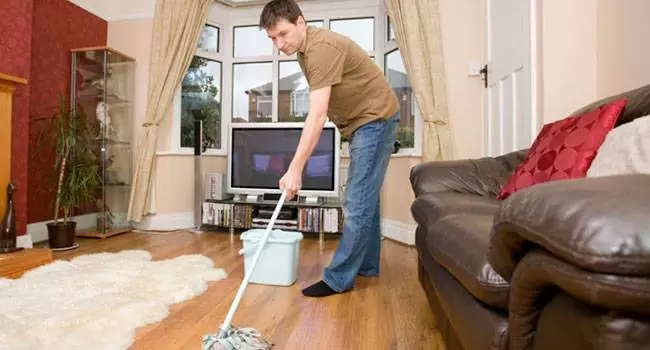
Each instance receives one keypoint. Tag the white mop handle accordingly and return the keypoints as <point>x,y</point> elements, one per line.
<point>258,252</point>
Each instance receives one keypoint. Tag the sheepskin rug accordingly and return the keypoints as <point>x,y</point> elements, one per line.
<point>97,301</point>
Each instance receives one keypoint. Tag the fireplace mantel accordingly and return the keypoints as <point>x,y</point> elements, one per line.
<point>10,80</point>
<point>8,84</point>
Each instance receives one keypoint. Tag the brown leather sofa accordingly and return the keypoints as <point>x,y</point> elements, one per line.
<point>559,265</point>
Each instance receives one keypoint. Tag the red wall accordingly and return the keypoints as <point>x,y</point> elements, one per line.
<point>59,26</point>
<point>15,58</point>
<point>36,39</point>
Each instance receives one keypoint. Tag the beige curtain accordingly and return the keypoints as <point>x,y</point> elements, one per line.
<point>176,29</point>
<point>417,32</point>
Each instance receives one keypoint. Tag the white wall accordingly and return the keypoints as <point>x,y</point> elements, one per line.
<point>623,52</point>
<point>568,56</point>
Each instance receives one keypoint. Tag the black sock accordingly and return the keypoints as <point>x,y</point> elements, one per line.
<point>320,289</point>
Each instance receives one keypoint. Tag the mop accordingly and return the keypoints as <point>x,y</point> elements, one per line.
<point>233,338</point>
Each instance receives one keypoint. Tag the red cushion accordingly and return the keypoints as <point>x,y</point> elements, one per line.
<point>564,149</point>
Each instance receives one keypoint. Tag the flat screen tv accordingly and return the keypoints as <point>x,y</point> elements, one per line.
<point>259,154</point>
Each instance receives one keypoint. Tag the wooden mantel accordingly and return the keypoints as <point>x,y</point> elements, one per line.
<point>8,84</point>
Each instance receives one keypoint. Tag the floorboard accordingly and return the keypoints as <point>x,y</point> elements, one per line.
<point>388,312</point>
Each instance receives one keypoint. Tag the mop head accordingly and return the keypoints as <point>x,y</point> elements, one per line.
<point>237,339</point>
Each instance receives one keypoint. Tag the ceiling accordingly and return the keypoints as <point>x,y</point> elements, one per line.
<point>241,3</point>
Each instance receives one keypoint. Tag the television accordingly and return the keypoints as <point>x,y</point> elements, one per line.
<point>259,154</point>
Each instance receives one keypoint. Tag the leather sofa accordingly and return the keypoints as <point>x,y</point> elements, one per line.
<point>559,265</point>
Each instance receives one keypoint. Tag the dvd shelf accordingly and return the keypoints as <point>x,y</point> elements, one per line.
<point>307,218</point>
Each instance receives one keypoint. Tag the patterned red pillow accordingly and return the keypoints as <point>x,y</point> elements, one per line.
<point>564,149</point>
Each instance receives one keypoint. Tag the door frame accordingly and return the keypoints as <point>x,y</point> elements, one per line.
<point>536,50</point>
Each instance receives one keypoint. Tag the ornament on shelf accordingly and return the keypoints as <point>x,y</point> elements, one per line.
<point>104,119</point>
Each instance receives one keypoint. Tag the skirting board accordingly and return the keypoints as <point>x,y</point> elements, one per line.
<point>37,232</point>
<point>398,231</point>
<point>395,230</point>
<point>167,222</point>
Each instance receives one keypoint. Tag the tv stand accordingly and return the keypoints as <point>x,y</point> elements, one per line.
<point>315,215</point>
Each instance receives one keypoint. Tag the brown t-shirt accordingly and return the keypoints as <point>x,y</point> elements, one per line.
<point>360,92</point>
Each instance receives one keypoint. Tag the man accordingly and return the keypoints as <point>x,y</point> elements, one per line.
<point>350,89</point>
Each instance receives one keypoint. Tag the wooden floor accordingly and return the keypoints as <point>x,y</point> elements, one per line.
<point>389,312</point>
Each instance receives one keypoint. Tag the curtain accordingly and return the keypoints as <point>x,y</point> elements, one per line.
<point>176,30</point>
<point>418,36</point>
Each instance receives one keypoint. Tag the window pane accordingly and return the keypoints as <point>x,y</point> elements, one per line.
<point>209,39</point>
<point>391,31</point>
<point>361,30</point>
<point>251,41</point>
<point>398,79</point>
<point>201,100</point>
<point>252,92</point>
<point>293,101</point>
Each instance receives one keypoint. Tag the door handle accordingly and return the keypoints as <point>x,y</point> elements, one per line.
<point>484,74</point>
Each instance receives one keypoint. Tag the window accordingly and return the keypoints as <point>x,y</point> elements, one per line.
<point>201,100</point>
<point>200,96</point>
<point>293,93</point>
<point>249,41</point>
<point>251,83</point>
<point>360,30</point>
<point>390,30</point>
<point>263,85</point>
<point>399,80</point>
<point>395,72</point>
<point>209,39</point>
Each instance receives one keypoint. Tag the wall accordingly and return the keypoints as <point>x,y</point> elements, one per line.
<point>568,56</point>
<point>462,25</point>
<point>15,56</point>
<point>623,54</point>
<point>59,26</point>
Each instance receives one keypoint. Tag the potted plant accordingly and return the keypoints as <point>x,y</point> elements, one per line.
<point>78,173</point>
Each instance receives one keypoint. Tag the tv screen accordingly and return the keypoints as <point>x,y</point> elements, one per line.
<point>261,156</point>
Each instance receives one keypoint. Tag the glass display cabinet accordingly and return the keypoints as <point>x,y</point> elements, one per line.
<point>102,89</point>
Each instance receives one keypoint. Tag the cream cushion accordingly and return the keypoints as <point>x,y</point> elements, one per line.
<point>626,150</point>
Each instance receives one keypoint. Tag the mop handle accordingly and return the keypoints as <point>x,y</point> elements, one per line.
<point>258,252</point>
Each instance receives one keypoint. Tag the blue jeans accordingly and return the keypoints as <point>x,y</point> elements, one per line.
<point>359,247</point>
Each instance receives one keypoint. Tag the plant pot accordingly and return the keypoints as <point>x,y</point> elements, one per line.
<point>61,235</point>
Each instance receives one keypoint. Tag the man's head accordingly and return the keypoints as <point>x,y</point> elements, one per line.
<point>284,24</point>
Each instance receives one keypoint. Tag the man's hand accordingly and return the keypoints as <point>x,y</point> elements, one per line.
<point>292,182</point>
<point>318,102</point>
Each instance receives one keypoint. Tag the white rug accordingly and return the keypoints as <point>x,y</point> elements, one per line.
<point>97,301</point>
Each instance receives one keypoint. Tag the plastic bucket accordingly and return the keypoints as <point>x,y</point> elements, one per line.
<point>278,264</point>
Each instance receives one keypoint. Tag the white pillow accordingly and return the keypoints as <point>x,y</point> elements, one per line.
<point>626,150</point>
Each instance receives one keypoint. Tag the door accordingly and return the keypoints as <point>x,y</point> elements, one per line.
<point>511,109</point>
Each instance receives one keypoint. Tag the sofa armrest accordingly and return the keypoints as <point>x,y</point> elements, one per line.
<point>484,176</point>
<point>541,275</point>
<point>599,224</point>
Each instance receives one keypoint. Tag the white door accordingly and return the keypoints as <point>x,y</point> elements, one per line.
<point>511,110</point>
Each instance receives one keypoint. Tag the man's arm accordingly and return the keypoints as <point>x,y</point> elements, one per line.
<point>318,102</point>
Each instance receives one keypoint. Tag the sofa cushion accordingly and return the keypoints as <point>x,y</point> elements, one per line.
<point>428,208</point>
<point>564,149</point>
<point>458,240</point>
<point>626,150</point>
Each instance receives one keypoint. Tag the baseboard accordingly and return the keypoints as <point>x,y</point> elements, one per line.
<point>37,232</point>
<point>167,222</point>
<point>398,231</point>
